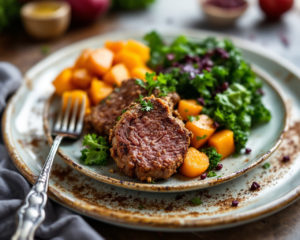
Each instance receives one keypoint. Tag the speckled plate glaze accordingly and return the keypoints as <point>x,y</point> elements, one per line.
<point>264,139</point>
<point>26,141</point>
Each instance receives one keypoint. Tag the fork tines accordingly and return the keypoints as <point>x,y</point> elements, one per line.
<point>70,118</point>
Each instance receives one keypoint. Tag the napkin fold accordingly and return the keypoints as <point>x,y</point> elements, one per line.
<point>60,223</point>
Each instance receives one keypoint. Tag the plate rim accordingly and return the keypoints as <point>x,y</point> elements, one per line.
<point>86,210</point>
<point>150,187</point>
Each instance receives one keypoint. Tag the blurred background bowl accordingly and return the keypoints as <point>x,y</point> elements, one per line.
<point>47,19</point>
<point>223,13</point>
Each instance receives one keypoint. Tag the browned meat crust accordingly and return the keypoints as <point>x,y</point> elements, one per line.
<point>103,117</point>
<point>149,145</point>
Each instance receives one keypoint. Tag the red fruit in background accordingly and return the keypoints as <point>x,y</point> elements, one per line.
<point>275,8</point>
<point>88,10</point>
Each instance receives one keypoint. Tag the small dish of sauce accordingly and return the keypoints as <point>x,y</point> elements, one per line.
<point>45,10</point>
<point>46,19</point>
<point>223,12</point>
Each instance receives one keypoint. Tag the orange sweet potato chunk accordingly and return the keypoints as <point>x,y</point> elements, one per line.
<point>140,72</point>
<point>129,59</point>
<point>81,78</point>
<point>81,61</point>
<point>99,90</point>
<point>117,74</point>
<point>139,48</point>
<point>195,163</point>
<point>115,46</point>
<point>223,141</point>
<point>188,108</point>
<point>76,94</point>
<point>100,61</point>
<point>202,129</point>
<point>63,81</point>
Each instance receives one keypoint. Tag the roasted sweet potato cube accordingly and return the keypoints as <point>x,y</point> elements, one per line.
<point>63,82</point>
<point>202,128</point>
<point>100,61</point>
<point>99,90</point>
<point>188,108</point>
<point>117,74</point>
<point>223,141</point>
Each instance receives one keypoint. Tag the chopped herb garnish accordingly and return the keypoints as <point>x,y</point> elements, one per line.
<point>266,165</point>
<point>45,49</point>
<point>186,110</point>
<point>95,151</point>
<point>164,83</point>
<point>124,110</point>
<point>193,118</point>
<point>146,105</point>
<point>196,201</point>
<point>118,118</point>
<point>211,174</point>
<point>201,137</point>
<point>140,82</point>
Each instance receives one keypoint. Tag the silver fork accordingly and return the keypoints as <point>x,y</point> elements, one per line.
<point>69,124</point>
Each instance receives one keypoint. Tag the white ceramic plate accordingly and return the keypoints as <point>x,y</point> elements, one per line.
<point>280,185</point>
<point>233,166</point>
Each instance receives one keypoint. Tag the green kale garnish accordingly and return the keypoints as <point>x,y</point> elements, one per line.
<point>213,155</point>
<point>201,137</point>
<point>164,83</point>
<point>95,151</point>
<point>266,165</point>
<point>211,174</point>
<point>215,71</point>
<point>196,201</point>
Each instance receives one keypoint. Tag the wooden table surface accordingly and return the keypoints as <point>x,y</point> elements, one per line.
<point>282,37</point>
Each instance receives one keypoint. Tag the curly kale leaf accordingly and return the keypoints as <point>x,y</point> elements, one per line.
<point>95,151</point>
<point>214,71</point>
<point>213,155</point>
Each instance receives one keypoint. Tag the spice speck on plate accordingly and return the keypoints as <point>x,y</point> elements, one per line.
<point>235,203</point>
<point>286,158</point>
<point>254,186</point>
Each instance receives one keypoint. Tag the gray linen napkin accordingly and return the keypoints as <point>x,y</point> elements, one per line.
<point>60,223</point>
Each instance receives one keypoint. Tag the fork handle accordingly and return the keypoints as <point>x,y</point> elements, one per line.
<point>32,213</point>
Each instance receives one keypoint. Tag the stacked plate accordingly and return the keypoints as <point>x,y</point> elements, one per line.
<point>177,203</point>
